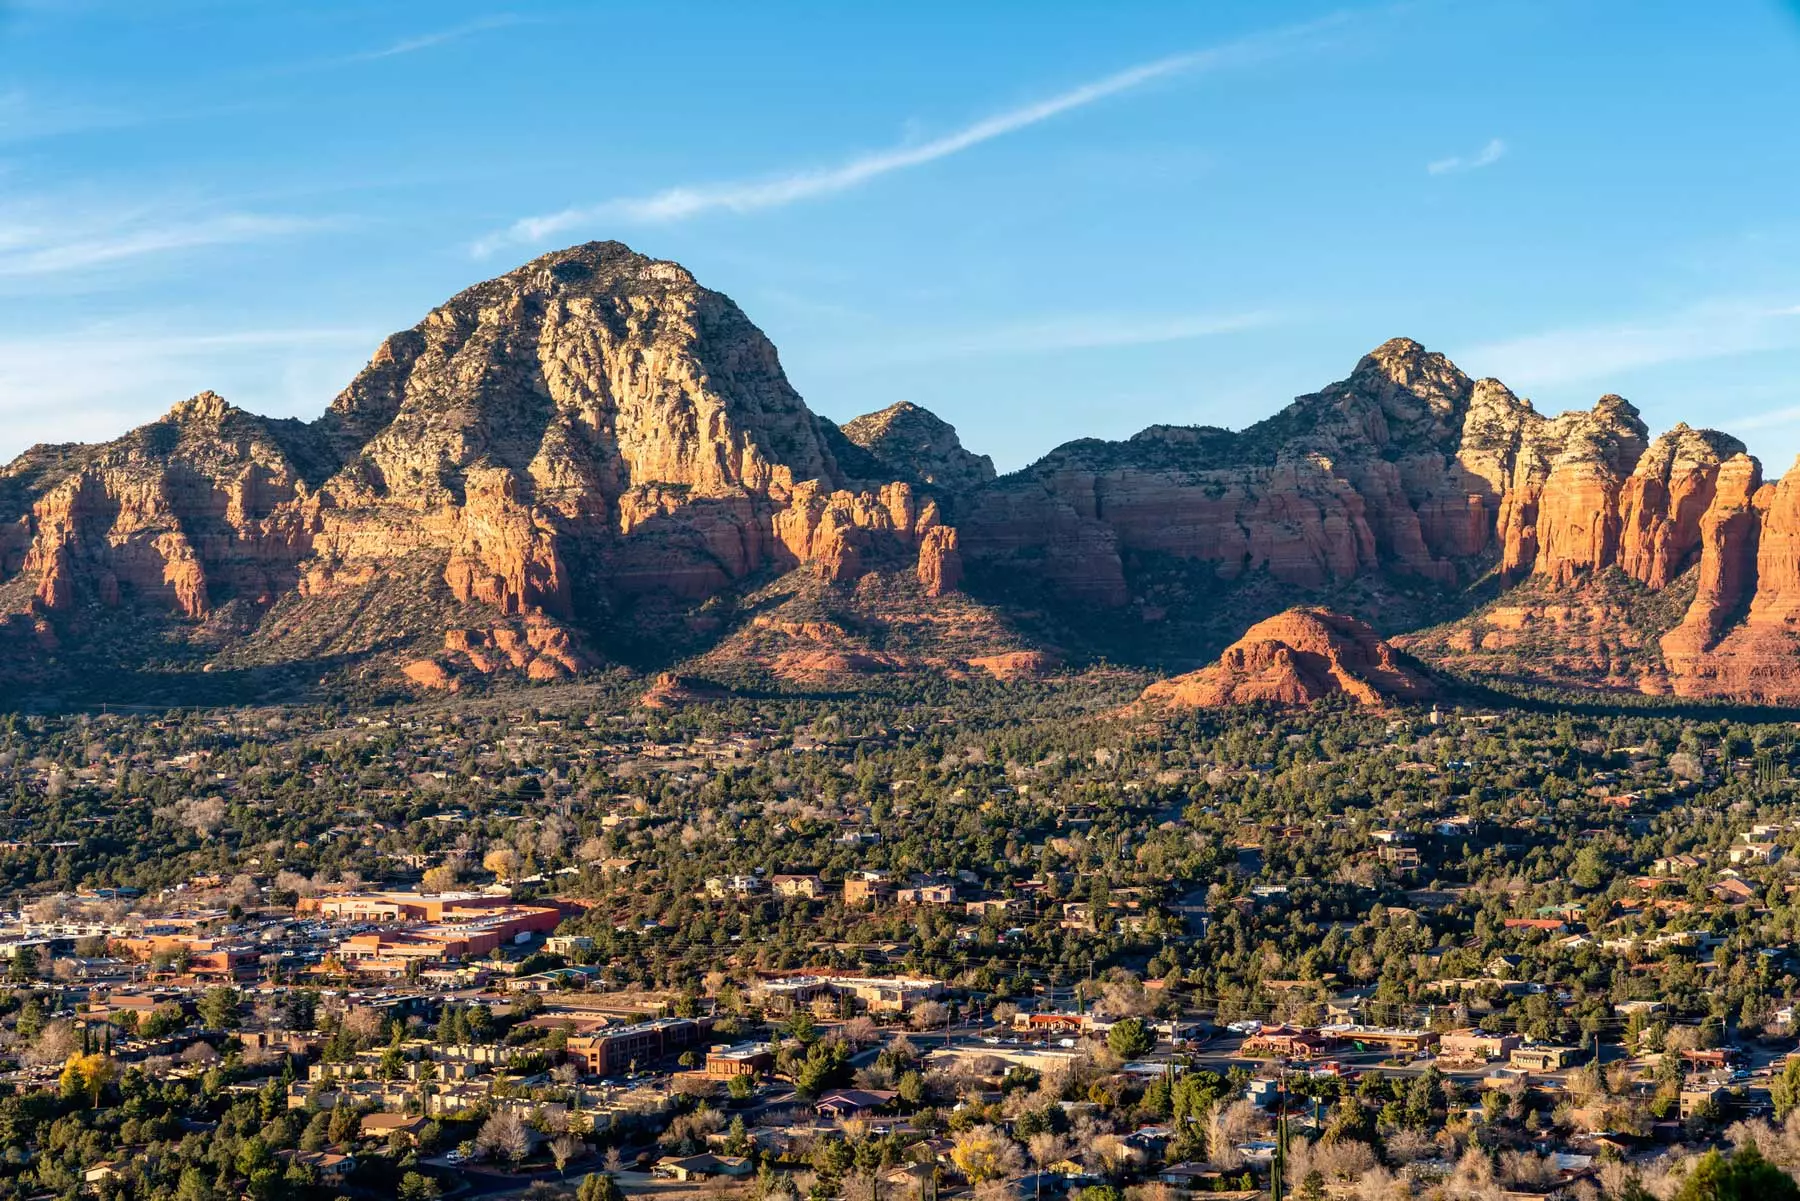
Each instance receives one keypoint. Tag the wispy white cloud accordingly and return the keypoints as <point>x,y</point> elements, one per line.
<point>425,41</point>
<point>1488,155</point>
<point>43,247</point>
<point>26,117</point>
<point>742,196</point>
<point>1051,334</point>
<point>1775,419</point>
<point>98,382</point>
<point>1713,329</point>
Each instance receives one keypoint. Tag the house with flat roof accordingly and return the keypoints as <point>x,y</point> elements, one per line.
<point>1544,1059</point>
<point>743,1059</point>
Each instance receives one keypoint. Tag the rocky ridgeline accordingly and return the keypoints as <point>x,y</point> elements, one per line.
<point>1410,468</point>
<point>590,427</point>
<point>922,444</point>
<point>554,453</point>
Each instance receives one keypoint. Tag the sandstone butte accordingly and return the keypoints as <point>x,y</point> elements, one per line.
<point>595,450</point>
<point>1295,658</point>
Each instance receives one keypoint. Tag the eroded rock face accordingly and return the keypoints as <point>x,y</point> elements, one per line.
<point>209,504</point>
<point>1296,658</point>
<point>1561,514</point>
<point>1755,656</point>
<point>1018,665</point>
<point>922,446</point>
<point>504,554</point>
<point>940,560</point>
<point>670,691</point>
<point>1665,501</point>
<point>593,413</point>
<point>596,397</point>
<point>1407,468</point>
<point>1330,488</point>
<point>596,434</point>
<point>1728,534</point>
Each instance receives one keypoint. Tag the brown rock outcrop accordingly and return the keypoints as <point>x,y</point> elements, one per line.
<point>1017,665</point>
<point>1406,466</point>
<point>670,691</point>
<point>1576,509</point>
<point>923,447</point>
<point>539,647</point>
<point>1666,499</point>
<point>1777,599</point>
<point>504,554</point>
<point>431,675</point>
<point>940,560</point>
<point>1728,535</point>
<point>595,398</point>
<point>209,504</point>
<point>1296,658</point>
<point>1755,656</point>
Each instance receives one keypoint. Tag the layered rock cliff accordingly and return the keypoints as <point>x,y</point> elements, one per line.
<point>1407,466</point>
<point>602,404</point>
<point>208,505</point>
<point>1407,470</point>
<point>594,454</point>
<point>1750,551</point>
<point>591,427</point>
<point>1356,478</point>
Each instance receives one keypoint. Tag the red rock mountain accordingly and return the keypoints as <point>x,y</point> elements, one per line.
<point>1409,470</point>
<point>540,451</point>
<point>594,457</point>
<point>1296,658</point>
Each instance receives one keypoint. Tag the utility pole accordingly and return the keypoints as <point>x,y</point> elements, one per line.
<point>1278,1164</point>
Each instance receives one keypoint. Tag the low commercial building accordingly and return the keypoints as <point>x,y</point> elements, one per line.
<point>206,958</point>
<point>388,952</point>
<point>404,906</point>
<point>613,1050</point>
<point>1056,1021</point>
<point>1477,1046</point>
<point>1544,1059</point>
<point>878,994</point>
<point>744,1059</point>
<point>1398,1040</point>
<point>1288,1042</point>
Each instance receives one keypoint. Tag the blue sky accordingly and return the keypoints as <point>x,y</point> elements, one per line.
<point>1040,220</point>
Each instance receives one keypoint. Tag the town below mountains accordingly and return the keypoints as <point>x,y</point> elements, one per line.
<point>962,938</point>
<point>571,768</point>
<point>593,466</point>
